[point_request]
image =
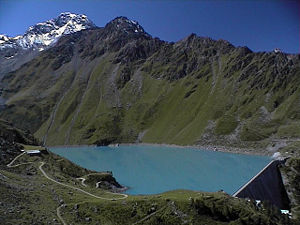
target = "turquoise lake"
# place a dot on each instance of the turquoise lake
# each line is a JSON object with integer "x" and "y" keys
{"x": 153, "y": 169}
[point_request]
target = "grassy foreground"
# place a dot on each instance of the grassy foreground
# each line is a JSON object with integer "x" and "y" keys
{"x": 28, "y": 197}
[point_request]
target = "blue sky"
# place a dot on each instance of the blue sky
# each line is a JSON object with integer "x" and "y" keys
{"x": 262, "y": 25}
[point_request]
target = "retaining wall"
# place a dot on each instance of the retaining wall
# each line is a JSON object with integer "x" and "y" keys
{"x": 267, "y": 185}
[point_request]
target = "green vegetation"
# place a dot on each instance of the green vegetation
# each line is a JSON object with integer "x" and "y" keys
{"x": 33, "y": 147}
{"x": 47, "y": 188}
{"x": 12, "y": 140}
{"x": 291, "y": 178}
{"x": 35, "y": 197}
{"x": 39, "y": 199}
{"x": 292, "y": 148}
{"x": 111, "y": 87}
{"x": 196, "y": 91}
{"x": 177, "y": 207}
{"x": 13, "y": 134}
{"x": 289, "y": 130}
{"x": 226, "y": 125}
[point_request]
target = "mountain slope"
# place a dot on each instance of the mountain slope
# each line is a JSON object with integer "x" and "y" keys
{"x": 11, "y": 141}
{"x": 118, "y": 84}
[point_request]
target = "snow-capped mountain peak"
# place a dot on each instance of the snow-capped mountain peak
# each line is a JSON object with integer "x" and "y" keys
{"x": 44, "y": 34}
{"x": 3, "y": 38}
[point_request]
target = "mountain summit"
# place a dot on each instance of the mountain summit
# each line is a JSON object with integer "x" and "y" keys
{"x": 15, "y": 51}
{"x": 47, "y": 33}
{"x": 126, "y": 25}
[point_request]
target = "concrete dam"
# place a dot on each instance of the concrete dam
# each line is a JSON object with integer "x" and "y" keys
{"x": 267, "y": 186}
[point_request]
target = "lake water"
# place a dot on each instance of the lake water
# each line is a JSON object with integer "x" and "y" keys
{"x": 153, "y": 169}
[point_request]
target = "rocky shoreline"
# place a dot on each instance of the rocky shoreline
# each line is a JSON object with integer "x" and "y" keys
{"x": 228, "y": 149}
{"x": 235, "y": 150}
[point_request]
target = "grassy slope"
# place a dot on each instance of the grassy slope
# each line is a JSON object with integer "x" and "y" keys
{"x": 291, "y": 179}
{"x": 164, "y": 111}
{"x": 177, "y": 207}
{"x": 196, "y": 91}
{"x": 36, "y": 200}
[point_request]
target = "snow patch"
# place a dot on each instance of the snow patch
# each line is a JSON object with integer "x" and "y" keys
{"x": 277, "y": 156}
{"x": 9, "y": 57}
{"x": 47, "y": 33}
{"x": 134, "y": 22}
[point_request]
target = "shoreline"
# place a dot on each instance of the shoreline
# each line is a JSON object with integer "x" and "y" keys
{"x": 216, "y": 148}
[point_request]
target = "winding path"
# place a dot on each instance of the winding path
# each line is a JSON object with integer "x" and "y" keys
{"x": 147, "y": 217}
{"x": 80, "y": 190}
{"x": 65, "y": 185}
{"x": 10, "y": 164}
{"x": 58, "y": 212}
{"x": 59, "y": 215}
{"x": 82, "y": 181}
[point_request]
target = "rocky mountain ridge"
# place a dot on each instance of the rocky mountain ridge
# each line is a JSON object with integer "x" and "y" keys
{"x": 47, "y": 33}
{"x": 15, "y": 51}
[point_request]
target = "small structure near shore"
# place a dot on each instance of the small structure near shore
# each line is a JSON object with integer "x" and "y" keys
{"x": 33, "y": 152}
{"x": 267, "y": 185}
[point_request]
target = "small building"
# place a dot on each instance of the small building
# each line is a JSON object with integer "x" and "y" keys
{"x": 33, "y": 152}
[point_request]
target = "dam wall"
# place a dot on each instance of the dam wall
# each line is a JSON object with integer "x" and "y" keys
{"x": 267, "y": 186}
